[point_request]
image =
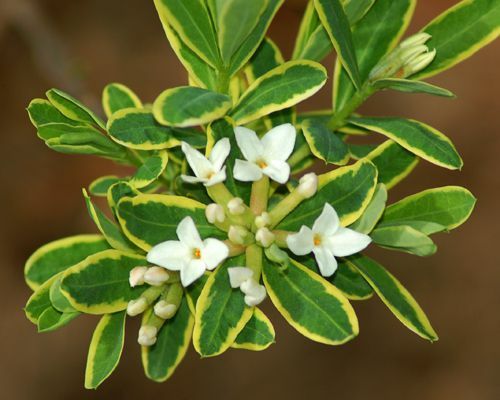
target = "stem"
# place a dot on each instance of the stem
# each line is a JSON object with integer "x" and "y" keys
{"x": 280, "y": 238}
{"x": 260, "y": 195}
{"x": 254, "y": 260}
{"x": 339, "y": 118}
{"x": 285, "y": 207}
{"x": 220, "y": 194}
{"x": 223, "y": 81}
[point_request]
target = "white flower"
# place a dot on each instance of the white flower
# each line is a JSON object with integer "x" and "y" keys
{"x": 242, "y": 277}
{"x": 208, "y": 171}
{"x": 327, "y": 240}
{"x": 190, "y": 255}
{"x": 264, "y": 156}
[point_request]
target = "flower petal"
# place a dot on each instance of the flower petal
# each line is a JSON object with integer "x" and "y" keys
{"x": 192, "y": 271}
{"x": 249, "y": 143}
{"x": 201, "y": 167}
{"x": 254, "y": 293}
{"x": 328, "y": 222}
{"x": 188, "y": 234}
{"x": 219, "y": 153}
{"x": 246, "y": 171}
{"x": 213, "y": 252}
{"x": 279, "y": 142}
{"x": 238, "y": 275}
{"x": 326, "y": 261}
{"x": 192, "y": 179}
{"x": 171, "y": 254}
{"x": 347, "y": 241}
{"x": 301, "y": 243}
{"x": 278, "y": 171}
{"x": 217, "y": 178}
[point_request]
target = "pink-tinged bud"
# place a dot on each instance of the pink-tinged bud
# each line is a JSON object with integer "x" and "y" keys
{"x": 136, "y": 277}
{"x": 156, "y": 276}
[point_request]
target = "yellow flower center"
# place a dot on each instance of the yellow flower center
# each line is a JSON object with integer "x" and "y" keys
{"x": 197, "y": 253}
{"x": 317, "y": 240}
{"x": 262, "y": 164}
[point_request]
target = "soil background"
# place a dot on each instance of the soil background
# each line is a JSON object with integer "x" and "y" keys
{"x": 79, "y": 46}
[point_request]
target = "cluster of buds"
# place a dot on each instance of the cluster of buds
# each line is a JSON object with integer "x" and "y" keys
{"x": 164, "y": 295}
{"x": 410, "y": 57}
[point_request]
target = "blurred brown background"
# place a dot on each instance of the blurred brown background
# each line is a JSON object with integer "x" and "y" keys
{"x": 79, "y": 46}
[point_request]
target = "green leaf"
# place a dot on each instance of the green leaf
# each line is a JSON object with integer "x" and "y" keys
{"x": 108, "y": 228}
{"x": 460, "y": 32}
{"x": 374, "y": 36}
{"x": 189, "y": 106}
{"x": 51, "y": 319}
{"x": 116, "y": 97}
{"x": 105, "y": 349}
{"x": 393, "y": 162}
{"x": 416, "y": 137}
{"x": 221, "y": 312}
{"x": 138, "y": 129}
{"x": 325, "y": 144}
{"x": 216, "y": 131}
{"x": 42, "y": 112}
{"x": 59, "y": 255}
{"x": 81, "y": 139}
{"x": 191, "y": 20}
{"x": 266, "y": 58}
{"x": 432, "y": 210}
{"x": 257, "y": 335}
{"x": 148, "y": 172}
{"x": 172, "y": 342}
{"x": 193, "y": 291}
{"x": 253, "y": 40}
{"x": 199, "y": 70}
{"x": 411, "y": 86}
{"x": 100, "y": 186}
{"x": 280, "y": 88}
{"x": 332, "y": 16}
{"x": 404, "y": 238}
{"x": 312, "y": 305}
{"x": 72, "y": 108}
{"x": 347, "y": 189}
{"x": 57, "y": 298}
{"x": 118, "y": 191}
{"x": 395, "y": 296}
{"x": 357, "y": 9}
{"x": 39, "y": 301}
{"x": 359, "y": 151}
{"x": 346, "y": 279}
{"x": 373, "y": 212}
{"x": 236, "y": 20}
{"x": 100, "y": 283}
{"x": 153, "y": 218}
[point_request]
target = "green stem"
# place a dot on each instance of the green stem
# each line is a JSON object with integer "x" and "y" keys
{"x": 254, "y": 260}
{"x": 339, "y": 119}
{"x": 259, "y": 196}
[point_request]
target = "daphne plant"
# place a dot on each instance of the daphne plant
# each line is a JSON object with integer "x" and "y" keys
{"x": 222, "y": 212}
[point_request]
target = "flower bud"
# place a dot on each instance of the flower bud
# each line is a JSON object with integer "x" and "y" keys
{"x": 415, "y": 40}
{"x": 419, "y": 63}
{"x": 308, "y": 185}
{"x": 136, "y": 276}
{"x": 156, "y": 276}
{"x": 238, "y": 275}
{"x": 265, "y": 237}
{"x": 410, "y": 53}
{"x": 137, "y": 306}
{"x": 215, "y": 213}
{"x": 165, "y": 310}
{"x": 236, "y": 206}
{"x": 254, "y": 293}
{"x": 147, "y": 335}
{"x": 262, "y": 220}
{"x": 237, "y": 234}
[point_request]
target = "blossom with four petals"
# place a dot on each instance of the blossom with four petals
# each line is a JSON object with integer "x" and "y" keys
{"x": 265, "y": 156}
{"x": 190, "y": 255}
{"x": 327, "y": 239}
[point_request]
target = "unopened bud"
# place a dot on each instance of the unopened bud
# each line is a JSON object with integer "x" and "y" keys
{"x": 147, "y": 335}
{"x": 215, "y": 213}
{"x": 137, "y": 306}
{"x": 237, "y": 234}
{"x": 165, "y": 310}
{"x": 265, "y": 237}
{"x": 236, "y": 206}
{"x": 419, "y": 63}
{"x": 254, "y": 293}
{"x": 136, "y": 276}
{"x": 415, "y": 40}
{"x": 238, "y": 275}
{"x": 262, "y": 220}
{"x": 410, "y": 53}
{"x": 308, "y": 185}
{"x": 156, "y": 276}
